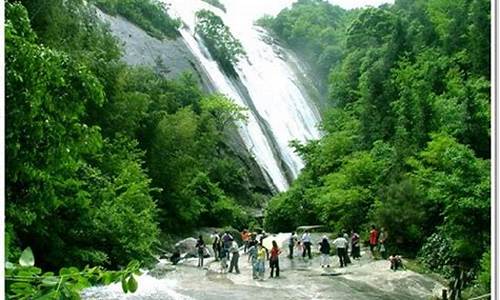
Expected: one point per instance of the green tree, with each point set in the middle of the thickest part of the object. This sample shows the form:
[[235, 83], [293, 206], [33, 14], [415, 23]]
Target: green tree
[[54, 159], [223, 46], [454, 179]]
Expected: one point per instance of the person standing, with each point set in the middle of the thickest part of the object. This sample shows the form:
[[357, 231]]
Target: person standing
[[261, 259], [341, 244], [274, 259], [235, 255], [355, 252], [298, 248], [216, 245], [200, 245], [226, 241], [306, 242], [252, 258], [291, 244], [324, 248], [382, 237], [373, 240], [347, 260], [245, 237]]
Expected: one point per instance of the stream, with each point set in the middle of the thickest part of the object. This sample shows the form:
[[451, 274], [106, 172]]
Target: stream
[[299, 279]]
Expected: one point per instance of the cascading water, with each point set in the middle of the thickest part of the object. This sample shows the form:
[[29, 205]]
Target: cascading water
[[279, 110]]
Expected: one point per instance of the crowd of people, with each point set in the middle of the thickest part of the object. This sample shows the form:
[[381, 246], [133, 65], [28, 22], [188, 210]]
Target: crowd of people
[[226, 249]]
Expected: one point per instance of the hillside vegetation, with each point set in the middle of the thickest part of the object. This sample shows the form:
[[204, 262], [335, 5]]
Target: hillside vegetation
[[407, 143]]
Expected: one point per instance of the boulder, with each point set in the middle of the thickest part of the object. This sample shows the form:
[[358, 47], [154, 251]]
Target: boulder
[[187, 248], [187, 245]]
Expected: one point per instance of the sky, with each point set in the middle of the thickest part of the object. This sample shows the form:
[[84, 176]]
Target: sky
[[251, 10]]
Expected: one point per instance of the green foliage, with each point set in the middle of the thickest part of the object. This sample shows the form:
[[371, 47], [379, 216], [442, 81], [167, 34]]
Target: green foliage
[[435, 254], [94, 188], [407, 145], [402, 209], [223, 110], [313, 28], [25, 281], [72, 26], [216, 3], [484, 277], [456, 180], [150, 15], [481, 285], [286, 211], [118, 149], [224, 48]]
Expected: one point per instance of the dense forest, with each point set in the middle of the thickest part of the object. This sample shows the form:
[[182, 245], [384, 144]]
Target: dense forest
[[105, 160], [407, 141]]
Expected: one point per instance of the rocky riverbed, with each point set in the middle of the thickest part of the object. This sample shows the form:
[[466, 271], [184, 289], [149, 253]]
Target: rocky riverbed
[[299, 279]]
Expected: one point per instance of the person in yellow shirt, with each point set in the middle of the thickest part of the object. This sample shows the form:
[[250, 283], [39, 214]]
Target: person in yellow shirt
[[261, 259]]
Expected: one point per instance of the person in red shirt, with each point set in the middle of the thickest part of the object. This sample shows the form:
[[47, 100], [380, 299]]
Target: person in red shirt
[[373, 240], [274, 259]]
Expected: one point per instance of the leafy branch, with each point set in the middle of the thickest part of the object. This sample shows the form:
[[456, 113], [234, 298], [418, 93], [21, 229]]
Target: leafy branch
[[25, 281]]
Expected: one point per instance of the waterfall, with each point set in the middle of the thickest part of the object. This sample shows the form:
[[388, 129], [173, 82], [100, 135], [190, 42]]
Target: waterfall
[[279, 109]]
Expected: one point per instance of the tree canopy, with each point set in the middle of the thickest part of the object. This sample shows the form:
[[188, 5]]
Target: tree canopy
[[407, 143]]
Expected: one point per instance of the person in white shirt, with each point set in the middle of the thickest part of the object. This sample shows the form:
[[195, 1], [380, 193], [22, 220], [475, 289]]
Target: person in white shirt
[[306, 241], [341, 245], [235, 255]]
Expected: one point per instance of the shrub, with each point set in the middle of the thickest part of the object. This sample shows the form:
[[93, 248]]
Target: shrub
[[223, 46]]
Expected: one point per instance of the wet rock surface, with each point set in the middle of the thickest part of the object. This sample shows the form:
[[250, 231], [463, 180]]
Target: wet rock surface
[[299, 279]]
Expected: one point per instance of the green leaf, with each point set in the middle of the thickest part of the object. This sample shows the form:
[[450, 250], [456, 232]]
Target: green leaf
[[50, 281], [124, 285], [49, 296], [132, 284], [133, 265], [27, 259]]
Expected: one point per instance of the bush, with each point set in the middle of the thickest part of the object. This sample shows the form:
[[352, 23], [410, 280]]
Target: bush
[[223, 46], [435, 254], [150, 15]]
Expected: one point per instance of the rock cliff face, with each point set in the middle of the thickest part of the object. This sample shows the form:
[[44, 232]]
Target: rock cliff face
[[171, 57]]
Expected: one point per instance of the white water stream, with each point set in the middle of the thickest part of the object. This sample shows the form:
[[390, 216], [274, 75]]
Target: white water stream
[[281, 110], [299, 279]]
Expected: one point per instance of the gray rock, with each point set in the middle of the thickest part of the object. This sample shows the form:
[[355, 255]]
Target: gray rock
[[187, 245]]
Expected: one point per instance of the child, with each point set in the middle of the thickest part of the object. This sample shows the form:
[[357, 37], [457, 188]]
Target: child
[[298, 248], [396, 262]]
